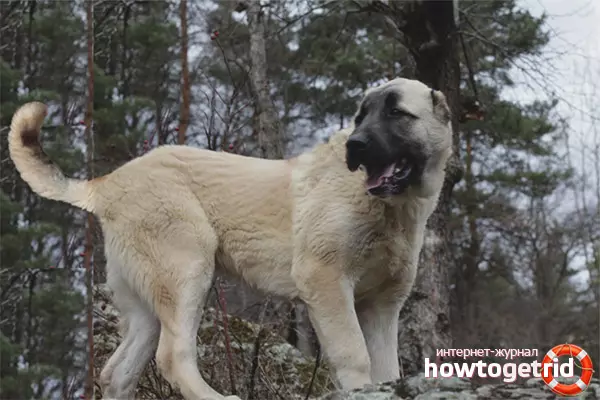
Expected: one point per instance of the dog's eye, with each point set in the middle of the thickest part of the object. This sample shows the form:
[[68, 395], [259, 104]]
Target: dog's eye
[[359, 118], [396, 112], [361, 115]]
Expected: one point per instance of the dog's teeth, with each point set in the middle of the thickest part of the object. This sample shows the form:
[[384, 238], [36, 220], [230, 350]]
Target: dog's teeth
[[396, 170]]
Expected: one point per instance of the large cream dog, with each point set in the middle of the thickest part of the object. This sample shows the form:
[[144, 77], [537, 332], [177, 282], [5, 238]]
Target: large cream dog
[[313, 228]]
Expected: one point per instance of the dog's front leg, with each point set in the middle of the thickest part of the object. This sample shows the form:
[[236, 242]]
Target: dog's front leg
[[378, 316], [379, 322], [330, 299]]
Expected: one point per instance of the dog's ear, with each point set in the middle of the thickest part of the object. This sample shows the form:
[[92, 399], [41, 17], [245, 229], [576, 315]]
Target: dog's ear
[[440, 106]]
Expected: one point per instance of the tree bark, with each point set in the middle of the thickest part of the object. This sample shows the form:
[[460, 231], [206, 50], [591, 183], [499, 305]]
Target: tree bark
[[185, 76], [268, 126], [430, 33], [89, 246]]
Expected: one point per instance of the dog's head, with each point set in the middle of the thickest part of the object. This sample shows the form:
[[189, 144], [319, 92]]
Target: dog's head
[[402, 138]]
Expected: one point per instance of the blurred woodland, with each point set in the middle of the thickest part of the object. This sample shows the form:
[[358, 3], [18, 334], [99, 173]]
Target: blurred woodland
[[519, 260]]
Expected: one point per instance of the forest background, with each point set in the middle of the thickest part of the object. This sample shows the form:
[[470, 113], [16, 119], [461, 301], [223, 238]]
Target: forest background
[[521, 263]]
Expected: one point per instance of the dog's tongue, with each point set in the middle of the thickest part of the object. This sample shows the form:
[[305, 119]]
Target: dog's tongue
[[374, 181]]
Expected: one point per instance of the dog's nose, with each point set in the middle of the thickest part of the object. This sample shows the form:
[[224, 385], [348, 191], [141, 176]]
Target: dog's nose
[[356, 148], [356, 144]]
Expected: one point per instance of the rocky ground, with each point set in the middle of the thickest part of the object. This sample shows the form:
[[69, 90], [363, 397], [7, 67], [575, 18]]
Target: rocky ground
[[279, 371]]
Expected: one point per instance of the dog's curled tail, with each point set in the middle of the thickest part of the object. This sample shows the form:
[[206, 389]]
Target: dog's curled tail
[[35, 167]]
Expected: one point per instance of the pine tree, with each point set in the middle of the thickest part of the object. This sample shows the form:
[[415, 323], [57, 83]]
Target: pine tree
[[42, 329], [512, 166]]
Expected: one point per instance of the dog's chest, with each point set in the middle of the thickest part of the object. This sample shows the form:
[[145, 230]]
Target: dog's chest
[[381, 249]]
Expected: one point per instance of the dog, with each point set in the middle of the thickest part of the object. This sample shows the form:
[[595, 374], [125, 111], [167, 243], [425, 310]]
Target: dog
[[339, 227]]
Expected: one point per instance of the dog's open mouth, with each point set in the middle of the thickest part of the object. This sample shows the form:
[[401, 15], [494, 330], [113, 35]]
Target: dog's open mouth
[[389, 179]]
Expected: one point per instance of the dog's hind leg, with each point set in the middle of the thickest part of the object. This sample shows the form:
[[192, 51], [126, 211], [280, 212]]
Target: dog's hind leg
[[123, 370], [177, 349], [179, 292]]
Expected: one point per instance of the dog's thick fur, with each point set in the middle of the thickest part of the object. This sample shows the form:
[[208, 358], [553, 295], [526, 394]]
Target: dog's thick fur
[[303, 228]]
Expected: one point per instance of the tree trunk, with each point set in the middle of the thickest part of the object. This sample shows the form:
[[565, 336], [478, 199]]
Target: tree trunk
[[124, 53], [185, 76], [89, 246], [29, 65], [431, 36], [269, 128]]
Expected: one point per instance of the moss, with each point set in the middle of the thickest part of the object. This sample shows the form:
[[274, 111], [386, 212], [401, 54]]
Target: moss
[[242, 330], [322, 383]]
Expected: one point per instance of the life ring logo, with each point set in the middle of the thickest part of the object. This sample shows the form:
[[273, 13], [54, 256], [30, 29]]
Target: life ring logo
[[550, 369]]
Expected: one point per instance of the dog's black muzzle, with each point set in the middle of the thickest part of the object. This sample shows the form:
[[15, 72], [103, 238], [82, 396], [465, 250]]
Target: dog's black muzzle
[[356, 151], [366, 150], [390, 167]]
